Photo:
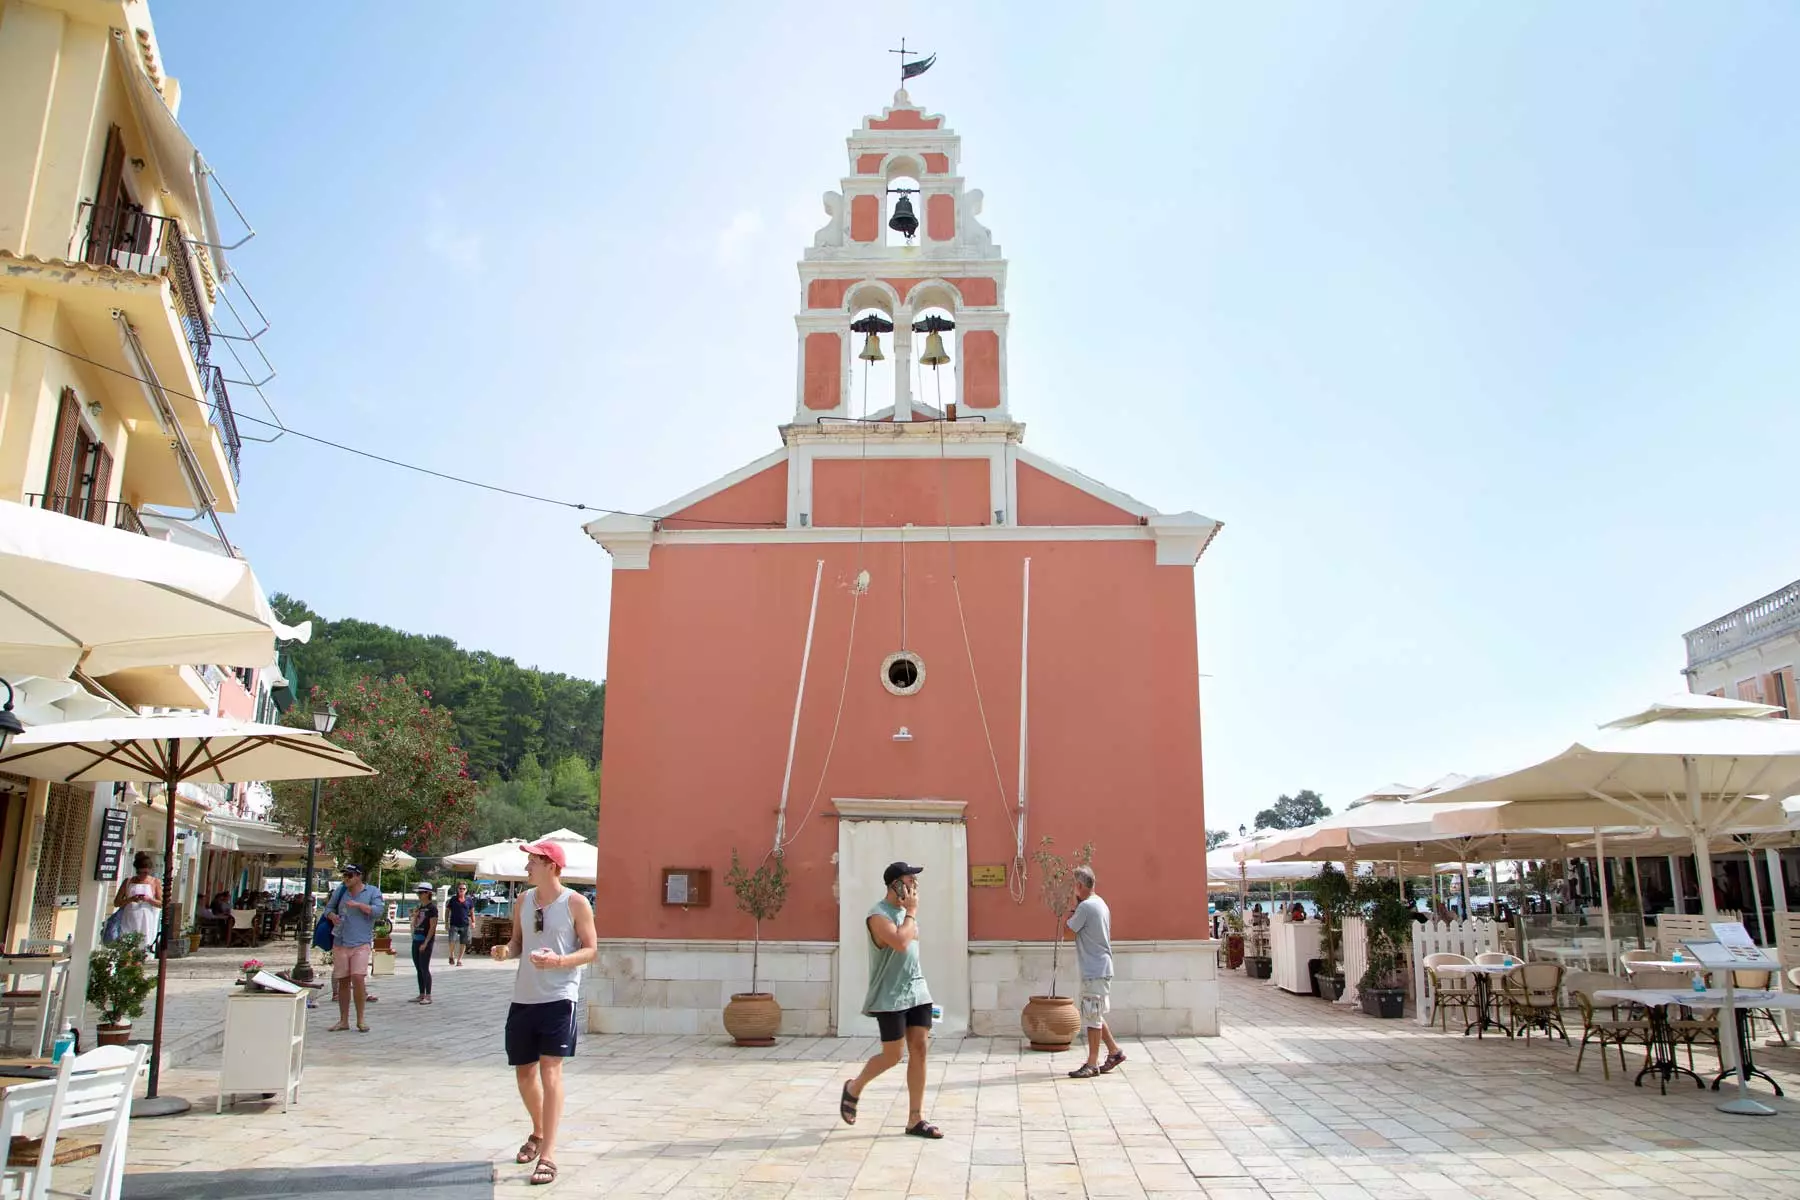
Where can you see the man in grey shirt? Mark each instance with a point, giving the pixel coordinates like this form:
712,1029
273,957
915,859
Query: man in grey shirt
1092,924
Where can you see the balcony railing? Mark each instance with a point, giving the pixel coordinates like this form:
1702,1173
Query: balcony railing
133,240
101,512
1775,614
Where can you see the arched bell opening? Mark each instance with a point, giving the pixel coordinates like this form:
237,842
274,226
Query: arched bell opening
906,203
934,358
872,343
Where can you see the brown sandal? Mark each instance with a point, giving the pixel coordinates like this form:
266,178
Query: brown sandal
544,1173
529,1150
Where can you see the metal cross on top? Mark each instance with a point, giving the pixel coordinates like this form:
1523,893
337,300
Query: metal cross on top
909,70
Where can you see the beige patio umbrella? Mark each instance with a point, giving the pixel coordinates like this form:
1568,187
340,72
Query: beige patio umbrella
1699,766
505,861
174,750
75,594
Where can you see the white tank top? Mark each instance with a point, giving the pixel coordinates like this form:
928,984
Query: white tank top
535,985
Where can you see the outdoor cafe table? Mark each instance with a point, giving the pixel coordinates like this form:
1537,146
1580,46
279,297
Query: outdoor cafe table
1484,974
1741,1001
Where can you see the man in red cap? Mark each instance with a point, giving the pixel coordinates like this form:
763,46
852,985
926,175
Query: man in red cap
553,938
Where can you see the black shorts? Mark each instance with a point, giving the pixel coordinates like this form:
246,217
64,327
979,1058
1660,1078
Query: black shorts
535,1031
895,1024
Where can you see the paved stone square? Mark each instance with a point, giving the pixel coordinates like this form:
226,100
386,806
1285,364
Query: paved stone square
1297,1100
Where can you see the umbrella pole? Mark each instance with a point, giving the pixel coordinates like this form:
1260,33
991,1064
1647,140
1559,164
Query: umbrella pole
153,1105
1605,904
1709,904
1762,934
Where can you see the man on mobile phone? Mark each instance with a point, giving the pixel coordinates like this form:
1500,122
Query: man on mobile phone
1091,923
897,998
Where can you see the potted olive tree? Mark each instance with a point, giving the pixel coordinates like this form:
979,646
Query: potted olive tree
118,985
1051,1022
1388,925
752,1018
1331,895
1257,962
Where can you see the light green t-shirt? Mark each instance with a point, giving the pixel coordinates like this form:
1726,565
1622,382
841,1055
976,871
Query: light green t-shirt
896,981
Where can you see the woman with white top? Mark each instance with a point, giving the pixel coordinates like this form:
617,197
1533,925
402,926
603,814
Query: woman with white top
553,937
139,901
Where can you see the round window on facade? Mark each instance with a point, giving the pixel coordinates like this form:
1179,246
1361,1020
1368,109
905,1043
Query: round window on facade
903,673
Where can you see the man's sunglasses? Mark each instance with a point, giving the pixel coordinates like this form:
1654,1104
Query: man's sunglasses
538,916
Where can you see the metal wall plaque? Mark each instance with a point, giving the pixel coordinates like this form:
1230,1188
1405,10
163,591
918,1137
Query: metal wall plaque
987,876
112,845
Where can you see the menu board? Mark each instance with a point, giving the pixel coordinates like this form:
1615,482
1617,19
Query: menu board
112,845
1734,949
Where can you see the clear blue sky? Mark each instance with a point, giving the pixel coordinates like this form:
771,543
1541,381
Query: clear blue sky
1476,325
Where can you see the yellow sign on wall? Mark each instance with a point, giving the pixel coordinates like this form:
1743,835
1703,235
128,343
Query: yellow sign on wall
987,876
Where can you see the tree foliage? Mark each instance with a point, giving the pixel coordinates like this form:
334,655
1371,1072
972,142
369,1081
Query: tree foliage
1291,812
537,800
1056,888
422,798
503,712
1217,837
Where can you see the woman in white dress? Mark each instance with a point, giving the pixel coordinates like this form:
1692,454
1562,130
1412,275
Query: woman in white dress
139,902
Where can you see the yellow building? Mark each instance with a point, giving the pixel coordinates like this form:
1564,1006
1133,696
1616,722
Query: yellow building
110,396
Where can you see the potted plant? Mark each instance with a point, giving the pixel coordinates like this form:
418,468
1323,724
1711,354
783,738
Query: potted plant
753,1018
1331,895
1388,926
118,985
1234,940
193,940
384,936
1051,1022
1257,962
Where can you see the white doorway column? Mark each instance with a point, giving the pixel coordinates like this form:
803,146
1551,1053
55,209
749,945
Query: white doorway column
924,833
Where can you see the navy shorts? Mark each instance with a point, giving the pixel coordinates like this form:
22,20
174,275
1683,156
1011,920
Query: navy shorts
535,1031
895,1024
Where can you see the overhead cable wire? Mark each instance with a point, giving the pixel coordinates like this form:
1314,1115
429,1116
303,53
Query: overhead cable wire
382,458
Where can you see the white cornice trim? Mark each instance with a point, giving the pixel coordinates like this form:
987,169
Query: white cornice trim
730,479
1181,538
627,538
912,534
900,810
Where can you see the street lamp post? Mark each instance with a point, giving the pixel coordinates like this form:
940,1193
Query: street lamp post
323,721
9,720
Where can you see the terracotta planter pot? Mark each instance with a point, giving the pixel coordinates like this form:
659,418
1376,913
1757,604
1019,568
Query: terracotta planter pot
1050,1022
112,1035
753,1019
1234,951
385,944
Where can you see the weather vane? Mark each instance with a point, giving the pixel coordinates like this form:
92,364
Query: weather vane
909,70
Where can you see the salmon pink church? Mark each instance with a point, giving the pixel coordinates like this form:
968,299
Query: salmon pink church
900,634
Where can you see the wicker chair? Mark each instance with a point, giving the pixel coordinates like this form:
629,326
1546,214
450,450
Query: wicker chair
1691,1029
1533,995
1448,990
1492,958
1609,1031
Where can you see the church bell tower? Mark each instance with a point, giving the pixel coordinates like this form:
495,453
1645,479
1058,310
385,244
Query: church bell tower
904,250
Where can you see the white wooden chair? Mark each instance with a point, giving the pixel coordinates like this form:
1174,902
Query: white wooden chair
28,1003
92,1089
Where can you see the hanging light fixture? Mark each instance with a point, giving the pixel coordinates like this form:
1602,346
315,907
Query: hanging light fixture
9,720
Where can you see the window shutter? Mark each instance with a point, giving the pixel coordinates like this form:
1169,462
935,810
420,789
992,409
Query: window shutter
103,224
1784,691
59,488
97,494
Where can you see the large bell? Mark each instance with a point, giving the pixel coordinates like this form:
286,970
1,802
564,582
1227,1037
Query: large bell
903,221
871,351
934,355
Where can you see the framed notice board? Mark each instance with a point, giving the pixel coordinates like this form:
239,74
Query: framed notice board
687,887
987,876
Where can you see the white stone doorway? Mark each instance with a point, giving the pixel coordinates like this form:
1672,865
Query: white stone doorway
926,833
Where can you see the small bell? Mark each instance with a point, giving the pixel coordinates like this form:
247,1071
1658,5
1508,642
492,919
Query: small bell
904,222
934,355
871,351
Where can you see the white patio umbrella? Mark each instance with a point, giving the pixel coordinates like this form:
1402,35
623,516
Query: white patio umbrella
505,861
1698,765
173,750
76,594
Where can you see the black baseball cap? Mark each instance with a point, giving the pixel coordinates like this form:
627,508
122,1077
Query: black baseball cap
350,869
896,870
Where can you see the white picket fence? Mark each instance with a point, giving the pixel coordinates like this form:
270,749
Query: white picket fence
1356,957
1468,938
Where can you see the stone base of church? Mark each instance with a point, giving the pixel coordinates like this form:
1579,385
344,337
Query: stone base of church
1167,988
680,987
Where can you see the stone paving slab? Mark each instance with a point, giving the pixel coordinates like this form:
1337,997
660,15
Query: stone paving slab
1298,1099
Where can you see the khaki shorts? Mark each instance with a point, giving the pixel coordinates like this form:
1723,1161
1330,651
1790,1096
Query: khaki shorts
347,962
1096,1002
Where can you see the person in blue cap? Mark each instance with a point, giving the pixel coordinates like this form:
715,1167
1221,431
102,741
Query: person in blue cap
898,998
